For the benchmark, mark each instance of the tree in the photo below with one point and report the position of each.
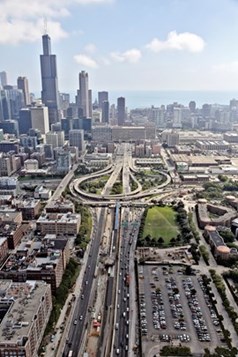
(148, 238)
(172, 241)
(188, 270)
(160, 241)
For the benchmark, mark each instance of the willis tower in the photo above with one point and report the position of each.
(49, 80)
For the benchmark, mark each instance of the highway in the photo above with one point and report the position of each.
(117, 304)
(79, 321)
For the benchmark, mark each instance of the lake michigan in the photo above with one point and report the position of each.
(142, 99)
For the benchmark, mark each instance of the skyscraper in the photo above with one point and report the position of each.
(102, 97)
(3, 78)
(22, 83)
(83, 94)
(76, 138)
(11, 101)
(49, 80)
(105, 111)
(121, 111)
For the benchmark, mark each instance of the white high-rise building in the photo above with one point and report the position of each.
(177, 122)
(40, 118)
(55, 138)
(76, 138)
(83, 94)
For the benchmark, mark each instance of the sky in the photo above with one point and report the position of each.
(124, 44)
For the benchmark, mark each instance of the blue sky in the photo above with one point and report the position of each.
(124, 44)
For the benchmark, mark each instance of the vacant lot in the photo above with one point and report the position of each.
(161, 222)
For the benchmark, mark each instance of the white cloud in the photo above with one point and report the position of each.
(19, 19)
(86, 61)
(16, 31)
(90, 48)
(178, 41)
(231, 67)
(131, 56)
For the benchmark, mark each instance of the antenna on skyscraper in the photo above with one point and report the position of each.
(45, 26)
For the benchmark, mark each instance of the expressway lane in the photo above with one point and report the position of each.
(122, 307)
(79, 321)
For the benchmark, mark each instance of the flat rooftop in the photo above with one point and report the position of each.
(21, 301)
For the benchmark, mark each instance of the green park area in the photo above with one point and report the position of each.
(161, 222)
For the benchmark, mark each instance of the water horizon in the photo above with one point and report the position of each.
(145, 99)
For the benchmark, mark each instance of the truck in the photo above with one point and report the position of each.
(127, 280)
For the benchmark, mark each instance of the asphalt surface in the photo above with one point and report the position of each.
(122, 315)
(79, 321)
(129, 229)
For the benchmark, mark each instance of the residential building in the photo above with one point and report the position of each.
(60, 206)
(58, 223)
(14, 233)
(44, 259)
(3, 250)
(26, 309)
(30, 208)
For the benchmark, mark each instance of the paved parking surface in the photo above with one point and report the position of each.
(174, 309)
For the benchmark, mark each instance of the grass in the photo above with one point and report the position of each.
(161, 222)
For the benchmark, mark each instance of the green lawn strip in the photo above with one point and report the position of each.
(161, 222)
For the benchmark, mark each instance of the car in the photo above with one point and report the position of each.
(75, 322)
(81, 317)
(82, 296)
(86, 282)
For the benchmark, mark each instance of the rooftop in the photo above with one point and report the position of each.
(59, 217)
(20, 302)
(35, 255)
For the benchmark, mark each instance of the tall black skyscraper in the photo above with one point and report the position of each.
(49, 80)
(105, 111)
(102, 97)
(121, 111)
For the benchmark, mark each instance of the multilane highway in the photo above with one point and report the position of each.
(79, 321)
(129, 224)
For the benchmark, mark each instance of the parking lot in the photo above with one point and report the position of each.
(175, 309)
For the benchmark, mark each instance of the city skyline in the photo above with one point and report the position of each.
(124, 46)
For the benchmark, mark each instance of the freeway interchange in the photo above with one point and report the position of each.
(119, 311)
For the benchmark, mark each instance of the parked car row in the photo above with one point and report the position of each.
(213, 314)
(197, 316)
(175, 304)
(167, 338)
(143, 322)
(158, 311)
